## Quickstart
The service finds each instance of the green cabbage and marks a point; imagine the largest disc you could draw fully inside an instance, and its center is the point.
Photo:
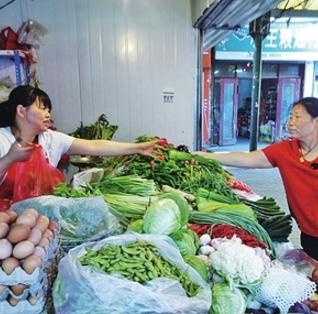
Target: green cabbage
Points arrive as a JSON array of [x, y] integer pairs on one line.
[[162, 217], [136, 226], [166, 215], [227, 300], [182, 204], [196, 263], [185, 242]]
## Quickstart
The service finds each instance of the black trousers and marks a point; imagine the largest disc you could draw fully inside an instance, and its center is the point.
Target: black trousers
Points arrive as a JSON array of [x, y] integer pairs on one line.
[[309, 245]]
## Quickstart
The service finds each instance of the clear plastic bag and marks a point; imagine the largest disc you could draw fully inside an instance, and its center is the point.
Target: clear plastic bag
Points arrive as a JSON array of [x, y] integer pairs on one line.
[[81, 219], [80, 287]]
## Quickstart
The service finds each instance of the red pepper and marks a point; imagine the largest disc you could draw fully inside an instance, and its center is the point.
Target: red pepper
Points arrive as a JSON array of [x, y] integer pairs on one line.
[[163, 142], [239, 185], [226, 231], [200, 229]]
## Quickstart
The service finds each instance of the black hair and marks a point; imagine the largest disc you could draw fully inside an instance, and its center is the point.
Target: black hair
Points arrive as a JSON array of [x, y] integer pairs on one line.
[[24, 95], [310, 104]]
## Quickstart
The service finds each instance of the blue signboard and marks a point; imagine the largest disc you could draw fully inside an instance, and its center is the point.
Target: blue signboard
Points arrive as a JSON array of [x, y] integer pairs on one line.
[[301, 39]]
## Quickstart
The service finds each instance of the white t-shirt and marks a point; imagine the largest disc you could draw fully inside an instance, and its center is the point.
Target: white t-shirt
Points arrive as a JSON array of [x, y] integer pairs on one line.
[[54, 143]]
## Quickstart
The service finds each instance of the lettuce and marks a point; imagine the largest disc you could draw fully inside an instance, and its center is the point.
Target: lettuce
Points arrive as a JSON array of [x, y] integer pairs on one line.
[[227, 300], [185, 242], [162, 217], [166, 215]]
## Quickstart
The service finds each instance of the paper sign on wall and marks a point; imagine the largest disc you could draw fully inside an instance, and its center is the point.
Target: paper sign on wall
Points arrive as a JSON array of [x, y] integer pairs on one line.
[[168, 96]]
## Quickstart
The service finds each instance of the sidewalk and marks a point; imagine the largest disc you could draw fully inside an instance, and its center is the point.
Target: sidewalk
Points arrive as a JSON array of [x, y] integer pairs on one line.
[[264, 182]]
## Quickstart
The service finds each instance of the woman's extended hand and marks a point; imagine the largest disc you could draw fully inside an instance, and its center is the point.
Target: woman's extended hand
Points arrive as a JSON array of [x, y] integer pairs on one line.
[[147, 148], [19, 152]]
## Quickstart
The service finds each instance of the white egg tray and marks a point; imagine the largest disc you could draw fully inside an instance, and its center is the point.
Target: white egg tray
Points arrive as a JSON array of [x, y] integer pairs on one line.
[[37, 291], [24, 307], [20, 276]]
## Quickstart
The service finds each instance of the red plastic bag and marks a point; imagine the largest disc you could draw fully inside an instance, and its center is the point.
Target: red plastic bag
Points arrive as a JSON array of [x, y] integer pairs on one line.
[[11, 39], [34, 177]]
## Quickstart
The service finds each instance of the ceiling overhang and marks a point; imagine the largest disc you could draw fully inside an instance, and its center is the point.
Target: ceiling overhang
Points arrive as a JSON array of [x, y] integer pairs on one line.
[[224, 16]]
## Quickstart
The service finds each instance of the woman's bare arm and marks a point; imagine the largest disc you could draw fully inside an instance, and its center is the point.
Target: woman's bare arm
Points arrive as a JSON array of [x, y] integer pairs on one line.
[[255, 159], [110, 148]]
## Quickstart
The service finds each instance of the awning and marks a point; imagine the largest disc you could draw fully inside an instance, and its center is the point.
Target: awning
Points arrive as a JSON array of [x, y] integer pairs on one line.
[[224, 16]]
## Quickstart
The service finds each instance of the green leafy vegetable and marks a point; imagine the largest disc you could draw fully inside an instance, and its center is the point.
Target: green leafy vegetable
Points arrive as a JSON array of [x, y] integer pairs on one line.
[[185, 242], [162, 217], [227, 300], [196, 263]]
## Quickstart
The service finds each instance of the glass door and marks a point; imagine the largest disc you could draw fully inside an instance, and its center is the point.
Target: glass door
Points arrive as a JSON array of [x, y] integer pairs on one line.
[[288, 91], [228, 111]]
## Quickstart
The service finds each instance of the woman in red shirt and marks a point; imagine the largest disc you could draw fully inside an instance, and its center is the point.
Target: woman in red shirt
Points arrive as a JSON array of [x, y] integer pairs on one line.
[[297, 161]]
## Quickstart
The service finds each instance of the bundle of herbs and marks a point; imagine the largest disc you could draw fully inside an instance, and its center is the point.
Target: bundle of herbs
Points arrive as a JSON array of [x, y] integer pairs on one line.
[[100, 130]]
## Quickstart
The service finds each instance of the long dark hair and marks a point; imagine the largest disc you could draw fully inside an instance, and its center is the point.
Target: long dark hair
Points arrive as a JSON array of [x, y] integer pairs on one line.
[[310, 104], [24, 95]]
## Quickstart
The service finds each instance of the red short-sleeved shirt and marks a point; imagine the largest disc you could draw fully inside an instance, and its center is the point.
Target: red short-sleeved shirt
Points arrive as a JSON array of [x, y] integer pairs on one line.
[[300, 181]]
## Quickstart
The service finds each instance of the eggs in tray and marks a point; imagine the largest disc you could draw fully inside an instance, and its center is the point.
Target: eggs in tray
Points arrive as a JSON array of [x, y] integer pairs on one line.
[[24, 240]]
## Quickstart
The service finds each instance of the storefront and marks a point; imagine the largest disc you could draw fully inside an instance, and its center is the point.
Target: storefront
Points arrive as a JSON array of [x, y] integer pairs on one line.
[[288, 73]]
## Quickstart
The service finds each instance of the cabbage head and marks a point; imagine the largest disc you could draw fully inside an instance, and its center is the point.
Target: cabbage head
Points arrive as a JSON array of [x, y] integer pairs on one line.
[[196, 263], [162, 217], [136, 226], [227, 300], [185, 242]]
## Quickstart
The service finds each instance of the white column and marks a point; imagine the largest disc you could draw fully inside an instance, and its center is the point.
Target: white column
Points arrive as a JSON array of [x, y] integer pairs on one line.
[[309, 79]]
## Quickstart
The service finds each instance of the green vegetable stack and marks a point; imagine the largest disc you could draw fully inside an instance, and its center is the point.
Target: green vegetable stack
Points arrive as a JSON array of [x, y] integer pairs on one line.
[[178, 169], [137, 261], [100, 130]]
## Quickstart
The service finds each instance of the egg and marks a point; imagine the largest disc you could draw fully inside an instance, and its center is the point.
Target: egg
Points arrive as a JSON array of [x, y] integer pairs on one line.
[[26, 219], [5, 249], [31, 211], [42, 223], [18, 288], [53, 225], [2, 288], [40, 252], [9, 265], [12, 214], [32, 300], [18, 232], [45, 243], [4, 229], [48, 234], [35, 236], [4, 217], [13, 301], [23, 249], [31, 263]]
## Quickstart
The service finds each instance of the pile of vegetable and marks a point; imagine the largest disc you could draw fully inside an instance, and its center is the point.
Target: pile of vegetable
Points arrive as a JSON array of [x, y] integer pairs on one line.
[[137, 261], [100, 130], [268, 213], [175, 168], [265, 211]]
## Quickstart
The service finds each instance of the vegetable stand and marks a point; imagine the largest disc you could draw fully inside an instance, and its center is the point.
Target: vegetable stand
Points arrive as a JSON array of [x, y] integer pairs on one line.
[[163, 235]]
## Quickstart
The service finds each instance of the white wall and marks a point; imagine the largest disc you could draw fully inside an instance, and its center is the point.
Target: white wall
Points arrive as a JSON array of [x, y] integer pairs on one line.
[[116, 57]]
